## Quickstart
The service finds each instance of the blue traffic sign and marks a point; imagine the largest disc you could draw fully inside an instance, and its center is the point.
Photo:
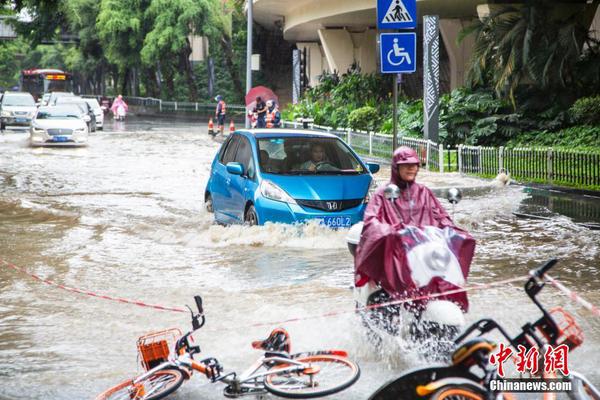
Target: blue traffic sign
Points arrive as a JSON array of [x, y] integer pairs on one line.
[[396, 14], [398, 52]]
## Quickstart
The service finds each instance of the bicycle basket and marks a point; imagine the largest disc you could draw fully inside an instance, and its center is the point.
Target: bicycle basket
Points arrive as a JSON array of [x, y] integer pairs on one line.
[[154, 348], [569, 332]]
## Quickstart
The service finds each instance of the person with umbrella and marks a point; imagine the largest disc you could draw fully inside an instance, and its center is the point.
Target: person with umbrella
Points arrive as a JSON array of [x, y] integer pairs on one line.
[[261, 112]]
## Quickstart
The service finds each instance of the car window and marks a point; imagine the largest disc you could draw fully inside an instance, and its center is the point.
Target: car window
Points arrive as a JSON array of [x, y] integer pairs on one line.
[[307, 155], [93, 103], [18, 100], [244, 157], [229, 154]]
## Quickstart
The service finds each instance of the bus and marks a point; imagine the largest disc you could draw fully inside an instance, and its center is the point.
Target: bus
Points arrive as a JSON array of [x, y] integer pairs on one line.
[[40, 81]]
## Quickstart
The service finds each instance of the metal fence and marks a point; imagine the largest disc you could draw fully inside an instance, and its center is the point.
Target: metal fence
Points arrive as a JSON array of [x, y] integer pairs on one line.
[[546, 165], [560, 166]]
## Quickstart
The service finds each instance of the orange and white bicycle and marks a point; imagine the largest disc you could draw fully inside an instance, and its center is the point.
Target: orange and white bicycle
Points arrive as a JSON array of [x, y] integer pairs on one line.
[[300, 375]]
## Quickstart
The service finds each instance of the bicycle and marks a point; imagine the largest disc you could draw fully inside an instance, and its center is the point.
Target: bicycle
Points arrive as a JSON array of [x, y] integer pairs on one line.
[[300, 375], [470, 374]]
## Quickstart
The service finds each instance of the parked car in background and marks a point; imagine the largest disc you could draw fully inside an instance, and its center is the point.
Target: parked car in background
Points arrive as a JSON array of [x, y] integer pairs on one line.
[[93, 103], [287, 176], [16, 108], [88, 114], [56, 95], [58, 126]]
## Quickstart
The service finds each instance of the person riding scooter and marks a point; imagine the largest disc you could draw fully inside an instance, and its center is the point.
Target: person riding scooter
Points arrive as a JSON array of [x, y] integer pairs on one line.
[[119, 108], [410, 247]]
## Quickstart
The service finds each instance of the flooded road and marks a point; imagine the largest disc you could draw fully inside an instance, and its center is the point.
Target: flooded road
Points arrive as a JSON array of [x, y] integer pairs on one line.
[[125, 217]]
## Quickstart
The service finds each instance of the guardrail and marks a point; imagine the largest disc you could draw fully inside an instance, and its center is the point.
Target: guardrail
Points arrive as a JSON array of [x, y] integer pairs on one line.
[[532, 164]]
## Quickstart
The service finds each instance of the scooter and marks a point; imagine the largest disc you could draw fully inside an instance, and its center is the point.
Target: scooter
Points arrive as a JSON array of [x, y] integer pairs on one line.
[[432, 328], [121, 113]]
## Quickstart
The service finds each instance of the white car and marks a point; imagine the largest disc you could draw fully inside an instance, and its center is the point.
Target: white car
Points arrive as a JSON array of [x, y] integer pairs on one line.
[[97, 111], [16, 108], [58, 126]]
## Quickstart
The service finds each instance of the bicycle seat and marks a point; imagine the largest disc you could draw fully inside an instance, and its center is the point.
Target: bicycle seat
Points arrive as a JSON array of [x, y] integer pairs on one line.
[[470, 352], [278, 341]]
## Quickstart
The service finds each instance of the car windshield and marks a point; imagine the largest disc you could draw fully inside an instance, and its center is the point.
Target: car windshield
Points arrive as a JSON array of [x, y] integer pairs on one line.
[[59, 113], [18, 101], [307, 156], [93, 103]]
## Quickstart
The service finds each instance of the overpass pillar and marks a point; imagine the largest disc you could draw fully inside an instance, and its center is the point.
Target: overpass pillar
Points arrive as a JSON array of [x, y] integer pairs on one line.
[[338, 48], [458, 54]]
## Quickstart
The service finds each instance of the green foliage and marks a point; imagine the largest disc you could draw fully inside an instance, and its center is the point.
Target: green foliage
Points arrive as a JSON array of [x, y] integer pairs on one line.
[[586, 110], [364, 118], [579, 136], [10, 64], [532, 54]]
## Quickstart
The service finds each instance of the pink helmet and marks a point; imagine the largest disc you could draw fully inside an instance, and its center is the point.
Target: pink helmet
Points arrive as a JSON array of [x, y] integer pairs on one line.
[[405, 155]]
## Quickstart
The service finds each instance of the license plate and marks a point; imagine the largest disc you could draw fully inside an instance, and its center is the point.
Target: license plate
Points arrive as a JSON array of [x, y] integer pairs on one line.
[[21, 120], [338, 221], [60, 139]]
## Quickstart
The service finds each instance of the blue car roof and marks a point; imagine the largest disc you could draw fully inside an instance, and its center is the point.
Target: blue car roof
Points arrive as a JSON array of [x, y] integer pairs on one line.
[[269, 133]]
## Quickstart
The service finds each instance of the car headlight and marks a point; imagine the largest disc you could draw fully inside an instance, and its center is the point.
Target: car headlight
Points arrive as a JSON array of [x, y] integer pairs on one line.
[[80, 131], [271, 191], [6, 113], [371, 191], [37, 131]]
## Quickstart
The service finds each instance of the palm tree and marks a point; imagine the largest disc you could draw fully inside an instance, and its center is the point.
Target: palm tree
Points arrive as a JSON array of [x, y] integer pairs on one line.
[[527, 46]]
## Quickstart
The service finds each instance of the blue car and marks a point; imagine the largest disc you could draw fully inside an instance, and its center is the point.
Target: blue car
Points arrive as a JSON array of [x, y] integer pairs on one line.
[[288, 176]]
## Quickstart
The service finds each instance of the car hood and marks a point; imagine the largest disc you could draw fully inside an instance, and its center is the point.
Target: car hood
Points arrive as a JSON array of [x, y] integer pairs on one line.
[[67, 123], [322, 187], [29, 109]]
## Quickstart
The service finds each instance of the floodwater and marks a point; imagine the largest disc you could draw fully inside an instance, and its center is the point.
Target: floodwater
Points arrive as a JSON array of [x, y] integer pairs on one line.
[[124, 217]]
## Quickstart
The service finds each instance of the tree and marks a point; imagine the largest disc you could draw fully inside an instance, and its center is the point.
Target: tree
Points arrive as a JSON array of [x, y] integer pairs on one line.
[[120, 27], [528, 46]]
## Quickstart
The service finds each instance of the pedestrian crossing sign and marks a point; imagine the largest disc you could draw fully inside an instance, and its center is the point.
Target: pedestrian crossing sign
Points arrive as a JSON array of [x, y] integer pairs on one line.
[[396, 14]]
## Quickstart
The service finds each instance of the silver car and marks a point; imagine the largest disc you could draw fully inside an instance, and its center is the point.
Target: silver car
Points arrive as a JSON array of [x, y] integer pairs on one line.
[[97, 111], [58, 126], [16, 108]]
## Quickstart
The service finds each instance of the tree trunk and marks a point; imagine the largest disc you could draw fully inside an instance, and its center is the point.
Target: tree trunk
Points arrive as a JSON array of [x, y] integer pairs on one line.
[[189, 72], [125, 83], [169, 82], [235, 74]]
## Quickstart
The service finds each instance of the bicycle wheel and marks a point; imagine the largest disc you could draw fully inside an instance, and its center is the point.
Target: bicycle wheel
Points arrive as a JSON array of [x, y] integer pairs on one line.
[[453, 392], [156, 386], [326, 374]]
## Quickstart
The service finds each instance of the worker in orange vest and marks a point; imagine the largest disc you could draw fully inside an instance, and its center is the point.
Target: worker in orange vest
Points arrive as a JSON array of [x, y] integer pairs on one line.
[[220, 113], [273, 115]]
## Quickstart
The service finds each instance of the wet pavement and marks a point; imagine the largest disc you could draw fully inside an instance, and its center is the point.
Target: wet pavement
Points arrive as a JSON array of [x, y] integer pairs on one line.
[[125, 217]]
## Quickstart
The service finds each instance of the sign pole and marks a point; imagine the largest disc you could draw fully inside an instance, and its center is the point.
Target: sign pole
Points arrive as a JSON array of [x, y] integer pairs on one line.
[[395, 114]]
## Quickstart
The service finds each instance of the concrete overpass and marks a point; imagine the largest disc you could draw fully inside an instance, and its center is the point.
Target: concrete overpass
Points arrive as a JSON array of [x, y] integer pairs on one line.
[[337, 33]]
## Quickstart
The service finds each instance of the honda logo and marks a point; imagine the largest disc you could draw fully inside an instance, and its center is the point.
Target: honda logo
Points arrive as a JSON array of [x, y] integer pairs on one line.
[[332, 205]]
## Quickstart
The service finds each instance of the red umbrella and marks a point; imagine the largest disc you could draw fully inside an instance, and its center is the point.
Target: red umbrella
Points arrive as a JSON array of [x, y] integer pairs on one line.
[[259, 91]]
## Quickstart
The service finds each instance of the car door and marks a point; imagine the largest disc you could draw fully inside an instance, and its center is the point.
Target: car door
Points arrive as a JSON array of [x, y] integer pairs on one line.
[[241, 185], [219, 188]]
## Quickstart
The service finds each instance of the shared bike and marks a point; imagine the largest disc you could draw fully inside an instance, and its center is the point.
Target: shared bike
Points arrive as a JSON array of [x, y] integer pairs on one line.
[[470, 374], [168, 360]]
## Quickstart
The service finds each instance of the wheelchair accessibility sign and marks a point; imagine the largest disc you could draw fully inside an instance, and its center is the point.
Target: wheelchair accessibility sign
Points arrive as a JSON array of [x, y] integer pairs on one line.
[[398, 52]]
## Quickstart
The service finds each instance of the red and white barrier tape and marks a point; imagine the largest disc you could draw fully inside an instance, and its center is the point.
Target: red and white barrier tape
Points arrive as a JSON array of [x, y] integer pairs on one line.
[[395, 302], [574, 296], [88, 293]]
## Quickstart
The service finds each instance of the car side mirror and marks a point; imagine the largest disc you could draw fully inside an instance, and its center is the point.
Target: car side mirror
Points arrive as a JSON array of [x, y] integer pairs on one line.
[[373, 167], [454, 195], [235, 168]]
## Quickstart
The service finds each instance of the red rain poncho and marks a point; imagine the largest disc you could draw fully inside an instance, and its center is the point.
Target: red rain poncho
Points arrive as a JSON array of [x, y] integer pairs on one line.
[[392, 249]]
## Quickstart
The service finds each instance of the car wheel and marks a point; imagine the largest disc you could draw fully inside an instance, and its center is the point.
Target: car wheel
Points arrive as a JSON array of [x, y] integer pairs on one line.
[[208, 203], [251, 218]]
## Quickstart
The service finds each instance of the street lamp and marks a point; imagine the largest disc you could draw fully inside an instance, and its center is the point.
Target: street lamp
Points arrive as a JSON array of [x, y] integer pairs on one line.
[[249, 58]]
